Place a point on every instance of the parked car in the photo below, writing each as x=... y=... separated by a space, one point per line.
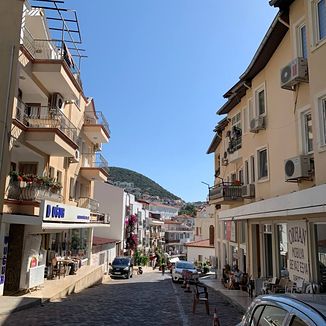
x=121 y=267
x=286 y=309
x=182 y=266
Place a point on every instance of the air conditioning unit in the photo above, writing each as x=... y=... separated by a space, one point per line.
x=57 y=102
x=76 y=157
x=297 y=167
x=293 y=73
x=248 y=191
x=257 y=124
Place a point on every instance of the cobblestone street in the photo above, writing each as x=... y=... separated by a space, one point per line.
x=148 y=299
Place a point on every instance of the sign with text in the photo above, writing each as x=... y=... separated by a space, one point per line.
x=57 y=212
x=298 y=263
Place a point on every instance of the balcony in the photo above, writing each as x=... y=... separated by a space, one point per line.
x=96 y=127
x=94 y=167
x=89 y=203
x=53 y=64
x=226 y=193
x=47 y=129
x=33 y=191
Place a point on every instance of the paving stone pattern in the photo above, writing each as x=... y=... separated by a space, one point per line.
x=147 y=300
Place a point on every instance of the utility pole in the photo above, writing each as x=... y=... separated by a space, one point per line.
x=10 y=25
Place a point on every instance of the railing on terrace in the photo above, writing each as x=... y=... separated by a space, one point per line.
x=45 y=117
x=226 y=190
x=95 y=160
x=89 y=203
x=43 y=49
x=32 y=192
x=97 y=118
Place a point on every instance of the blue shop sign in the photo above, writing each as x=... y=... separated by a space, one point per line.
x=54 y=211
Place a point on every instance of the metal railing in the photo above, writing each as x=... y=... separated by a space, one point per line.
x=97 y=118
x=43 y=49
x=89 y=203
x=95 y=160
x=226 y=190
x=45 y=117
x=32 y=192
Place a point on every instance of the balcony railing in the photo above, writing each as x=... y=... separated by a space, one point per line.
x=226 y=190
x=95 y=160
x=89 y=203
x=100 y=218
x=32 y=192
x=97 y=118
x=45 y=117
x=42 y=49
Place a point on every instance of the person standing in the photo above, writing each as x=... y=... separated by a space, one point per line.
x=163 y=267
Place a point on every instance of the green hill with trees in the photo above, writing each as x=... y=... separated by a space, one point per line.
x=146 y=185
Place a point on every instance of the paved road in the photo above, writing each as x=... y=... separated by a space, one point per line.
x=147 y=300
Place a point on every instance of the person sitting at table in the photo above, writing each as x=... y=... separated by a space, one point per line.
x=71 y=263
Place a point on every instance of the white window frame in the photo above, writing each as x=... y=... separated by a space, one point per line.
x=259 y=178
x=302 y=112
x=237 y=123
x=246 y=172
x=315 y=24
x=259 y=89
x=252 y=169
x=245 y=120
x=298 y=37
x=321 y=114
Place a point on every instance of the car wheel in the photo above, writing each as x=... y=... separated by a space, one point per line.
x=175 y=280
x=127 y=275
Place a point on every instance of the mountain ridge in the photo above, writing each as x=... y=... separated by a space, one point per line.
x=141 y=182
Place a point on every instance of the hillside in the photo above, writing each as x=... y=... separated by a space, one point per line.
x=146 y=185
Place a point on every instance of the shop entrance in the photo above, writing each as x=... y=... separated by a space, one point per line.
x=14 y=259
x=268 y=250
x=256 y=250
x=320 y=235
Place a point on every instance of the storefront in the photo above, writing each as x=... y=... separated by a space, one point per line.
x=32 y=242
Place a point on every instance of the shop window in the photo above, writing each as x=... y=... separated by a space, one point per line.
x=320 y=235
x=283 y=249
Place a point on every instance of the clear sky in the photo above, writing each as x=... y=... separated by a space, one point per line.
x=158 y=70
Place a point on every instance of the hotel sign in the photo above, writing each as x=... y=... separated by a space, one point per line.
x=298 y=263
x=57 y=212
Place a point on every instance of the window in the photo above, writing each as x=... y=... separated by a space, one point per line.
x=51 y=172
x=272 y=316
x=256 y=315
x=302 y=41
x=245 y=119
x=252 y=169
x=246 y=171
x=241 y=176
x=298 y=322
x=251 y=110
x=260 y=106
x=72 y=188
x=262 y=163
x=322 y=117
x=236 y=121
x=307 y=132
x=28 y=168
x=321 y=19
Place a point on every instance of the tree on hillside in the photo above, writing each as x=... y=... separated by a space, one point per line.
x=188 y=209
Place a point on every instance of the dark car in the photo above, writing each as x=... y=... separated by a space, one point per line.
x=121 y=267
x=286 y=309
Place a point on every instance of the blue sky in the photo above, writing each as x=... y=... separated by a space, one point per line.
x=158 y=70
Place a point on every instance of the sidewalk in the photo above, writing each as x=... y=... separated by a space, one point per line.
x=238 y=298
x=53 y=290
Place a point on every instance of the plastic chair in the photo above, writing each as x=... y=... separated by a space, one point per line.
x=201 y=295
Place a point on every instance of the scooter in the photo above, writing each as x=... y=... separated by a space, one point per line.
x=140 y=270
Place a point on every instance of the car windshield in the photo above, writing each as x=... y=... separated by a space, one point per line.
x=184 y=265
x=120 y=261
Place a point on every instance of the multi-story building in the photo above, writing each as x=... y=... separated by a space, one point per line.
x=177 y=235
x=269 y=191
x=55 y=136
x=164 y=212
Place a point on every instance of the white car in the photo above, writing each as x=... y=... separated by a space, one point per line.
x=181 y=267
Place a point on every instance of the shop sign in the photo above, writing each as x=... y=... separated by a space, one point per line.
x=54 y=212
x=298 y=264
x=3 y=263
